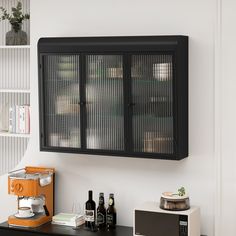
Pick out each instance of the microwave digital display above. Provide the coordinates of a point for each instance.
(160, 224)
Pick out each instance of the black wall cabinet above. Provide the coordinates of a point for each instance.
(121, 96)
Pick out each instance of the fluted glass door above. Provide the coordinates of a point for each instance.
(152, 97)
(62, 101)
(104, 102)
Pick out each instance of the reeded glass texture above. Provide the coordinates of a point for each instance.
(105, 102)
(152, 95)
(62, 100)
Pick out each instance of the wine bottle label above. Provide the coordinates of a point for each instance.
(100, 218)
(111, 201)
(110, 219)
(89, 215)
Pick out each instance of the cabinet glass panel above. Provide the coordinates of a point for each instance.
(104, 102)
(62, 98)
(152, 95)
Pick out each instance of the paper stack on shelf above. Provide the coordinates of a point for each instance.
(66, 219)
(19, 119)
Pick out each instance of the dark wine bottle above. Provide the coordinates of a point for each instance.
(111, 213)
(101, 212)
(90, 210)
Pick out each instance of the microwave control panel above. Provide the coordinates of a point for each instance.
(183, 225)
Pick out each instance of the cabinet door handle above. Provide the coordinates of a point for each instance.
(131, 104)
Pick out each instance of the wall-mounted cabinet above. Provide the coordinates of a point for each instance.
(124, 96)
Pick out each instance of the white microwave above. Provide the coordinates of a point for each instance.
(151, 220)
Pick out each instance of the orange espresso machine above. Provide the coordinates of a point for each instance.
(34, 188)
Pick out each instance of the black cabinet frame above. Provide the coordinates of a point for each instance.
(177, 46)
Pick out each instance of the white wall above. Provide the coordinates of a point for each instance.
(134, 180)
(228, 118)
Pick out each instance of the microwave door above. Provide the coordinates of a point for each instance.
(156, 224)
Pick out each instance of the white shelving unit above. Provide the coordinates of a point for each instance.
(14, 88)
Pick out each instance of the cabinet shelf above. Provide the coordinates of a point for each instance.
(106, 78)
(73, 116)
(93, 80)
(7, 134)
(73, 81)
(14, 90)
(150, 79)
(63, 115)
(15, 47)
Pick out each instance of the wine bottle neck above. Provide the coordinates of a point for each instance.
(90, 195)
(101, 201)
(111, 201)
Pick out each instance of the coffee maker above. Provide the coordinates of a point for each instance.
(34, 188)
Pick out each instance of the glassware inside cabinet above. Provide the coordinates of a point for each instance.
(104, 102)
(62, 100)
(152, 94)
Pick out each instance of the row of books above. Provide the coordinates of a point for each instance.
(19, 119)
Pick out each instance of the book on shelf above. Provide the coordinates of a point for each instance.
(66, 219)
(19, 119)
